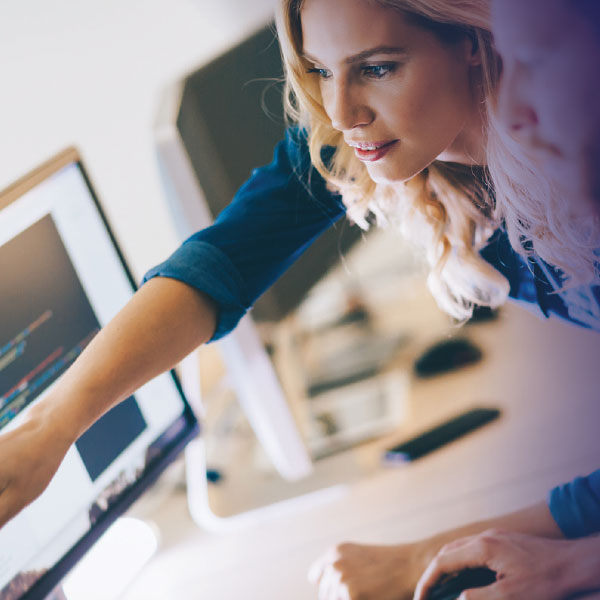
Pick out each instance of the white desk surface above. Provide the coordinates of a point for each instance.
(544, 375)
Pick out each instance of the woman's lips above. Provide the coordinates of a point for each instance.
(371, 151)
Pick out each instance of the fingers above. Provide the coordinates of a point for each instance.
(328, 574)
(489, 592)
(330, 584)
(316, 570)
(456, 556)
(352, 571)
(7, 507)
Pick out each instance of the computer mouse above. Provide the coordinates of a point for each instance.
(451, 586)
(483, 314)
(447, 355)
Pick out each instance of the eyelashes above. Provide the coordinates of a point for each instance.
(378, 71)
(322, 73)
(368, 71)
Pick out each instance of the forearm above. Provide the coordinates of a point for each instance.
(534, 520)
(162, 323)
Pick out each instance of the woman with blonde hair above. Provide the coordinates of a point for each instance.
(394, 103)
(530, 556)
(445, 202)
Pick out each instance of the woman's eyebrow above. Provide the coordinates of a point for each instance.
(364, 55)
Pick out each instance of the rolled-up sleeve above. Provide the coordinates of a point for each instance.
(575, 506)
(273, 218)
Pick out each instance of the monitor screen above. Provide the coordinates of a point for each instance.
(63, 278)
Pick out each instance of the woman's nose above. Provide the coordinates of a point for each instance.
(516, 103)
(346, 107)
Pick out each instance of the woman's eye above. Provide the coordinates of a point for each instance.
(322, 73)
(378, 71)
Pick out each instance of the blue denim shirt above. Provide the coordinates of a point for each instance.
(284, 207)
(272, 219)
(575, 506)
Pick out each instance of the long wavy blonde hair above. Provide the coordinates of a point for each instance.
(449, 209)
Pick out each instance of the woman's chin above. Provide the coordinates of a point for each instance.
(390, 174)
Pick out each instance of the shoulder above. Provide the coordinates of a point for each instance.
(540, 285)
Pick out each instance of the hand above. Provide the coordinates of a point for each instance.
(30, 455)
(359, 572)
(526, 566)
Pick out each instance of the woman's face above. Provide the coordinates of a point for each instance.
(400, 96)
(550, 91)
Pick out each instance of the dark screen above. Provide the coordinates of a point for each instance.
(46, 323)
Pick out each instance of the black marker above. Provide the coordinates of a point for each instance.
(440, 435)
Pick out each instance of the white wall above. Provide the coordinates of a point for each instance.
(89, 73)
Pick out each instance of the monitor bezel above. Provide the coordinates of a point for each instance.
(186, 423)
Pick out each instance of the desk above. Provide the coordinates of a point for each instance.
(539, 373)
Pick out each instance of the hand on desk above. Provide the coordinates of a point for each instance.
(355, 571)
(522, 547)
(527, 566)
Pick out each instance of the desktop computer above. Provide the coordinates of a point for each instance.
(63, 278)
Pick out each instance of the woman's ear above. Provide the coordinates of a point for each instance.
(473, 50)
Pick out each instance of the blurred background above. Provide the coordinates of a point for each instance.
(91, 73)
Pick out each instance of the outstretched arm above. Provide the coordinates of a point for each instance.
(280, 210)
(163, 322)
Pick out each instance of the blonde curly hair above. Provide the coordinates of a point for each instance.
(451, 210)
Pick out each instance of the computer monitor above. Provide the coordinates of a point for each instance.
(63, 278)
